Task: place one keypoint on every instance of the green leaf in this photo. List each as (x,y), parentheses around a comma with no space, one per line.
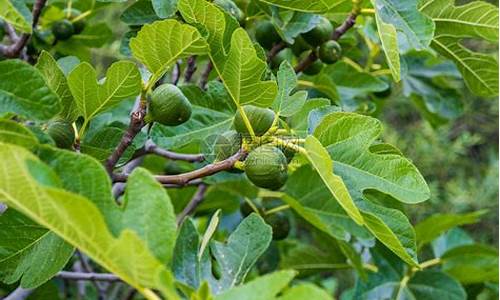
(477,19)
(423,84)
(239,67)
(308,6)
(212,114)
(123,81)
(389,40)
(307,258)
(21,258)
(14,133)
(165,8)
(321,161)
(94,36)
(471,264)
(263,288)
(299,120)
(430,228)
(452,238)
(101,144)
(149,212)
(348,138)
(285,104)
(235,258)
(9,13)
(139,13)
(83,175)
(414,30)
(149,45)
(312,200)
(291,24)
(433,285)
(305,291)
(238,255)
(79,222)
(24,91)
(57,81)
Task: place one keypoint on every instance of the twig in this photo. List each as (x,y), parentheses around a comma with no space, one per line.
(101,289)
(306,62)
(205,74)
(190,69)
(135,126)
(11,32)
(337,34)
(275,49)
(195,182)
(19,294)
(186,178)
(15,49)
(151,148)
(88,276)
(344,27)
(191,206)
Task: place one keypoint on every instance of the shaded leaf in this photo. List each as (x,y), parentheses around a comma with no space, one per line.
(307,6)
(10,13)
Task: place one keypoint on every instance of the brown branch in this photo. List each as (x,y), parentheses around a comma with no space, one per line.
(135,126)
(193,203)
(186,178)
(337,34)
(275,49)
(151,148)
(11,32)
(19,294)
(205,74)
(15,49)
(88,276)
(306,62)
(190,69)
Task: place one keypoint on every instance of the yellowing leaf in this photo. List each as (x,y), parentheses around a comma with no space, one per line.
(9,13)
(79,222)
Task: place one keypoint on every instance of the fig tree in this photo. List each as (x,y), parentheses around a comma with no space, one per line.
(62,133)
(63,29)
(280,225)
(226,145)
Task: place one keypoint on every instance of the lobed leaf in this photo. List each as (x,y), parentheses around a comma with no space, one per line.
(79,222)
(23,91)
(150,46)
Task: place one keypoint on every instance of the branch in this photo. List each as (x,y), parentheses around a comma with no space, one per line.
(191,206)
(337,34)
(135,126)
(88,276)
(205,74)
(185,178)
(14,50)
(151,148)
(275,49)
(190,69)
(19,294)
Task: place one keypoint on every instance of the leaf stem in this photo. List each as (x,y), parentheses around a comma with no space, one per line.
(283,143)
(430,263)
(247,122)
(277,209)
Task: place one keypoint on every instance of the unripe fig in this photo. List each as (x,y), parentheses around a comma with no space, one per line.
(319,34)
(330,52)
(168,106)
(260,118)
(266,167)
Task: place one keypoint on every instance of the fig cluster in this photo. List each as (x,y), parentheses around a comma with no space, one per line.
(317,40)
